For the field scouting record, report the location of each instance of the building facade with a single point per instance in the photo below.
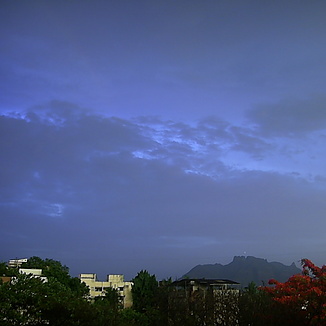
(16, 262)
(34, 272)
(194, 284)
(116, 281)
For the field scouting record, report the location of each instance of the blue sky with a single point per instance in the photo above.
(160, 135)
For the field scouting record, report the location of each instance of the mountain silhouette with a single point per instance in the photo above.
(245, 270)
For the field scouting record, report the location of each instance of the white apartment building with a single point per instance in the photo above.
(34, 272)
(17, 262)
(116, 281)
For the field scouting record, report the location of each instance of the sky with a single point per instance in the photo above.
(160, 135)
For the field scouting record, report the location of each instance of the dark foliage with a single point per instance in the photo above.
(27, 300)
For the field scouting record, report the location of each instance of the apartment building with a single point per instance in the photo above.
(194, 284)
(16, 262)
(115, 281)
(34, 272)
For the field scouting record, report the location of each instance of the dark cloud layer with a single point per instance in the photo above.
(161, 134)
(147, 193)
(291, 117)
(129, 58)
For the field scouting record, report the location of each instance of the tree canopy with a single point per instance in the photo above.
(6, 271)
(302, 297)
(61, 300)
(144, 291)
(54, 269)
(28, 300)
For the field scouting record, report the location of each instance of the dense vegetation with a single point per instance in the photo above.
(63, 300)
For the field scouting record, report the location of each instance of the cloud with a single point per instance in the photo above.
(245, 140)
(290, 118)
(122, 191)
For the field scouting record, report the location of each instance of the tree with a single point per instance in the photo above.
(226, 307)
(7, 271)
(302, 299)
(53, 269)
(50, 268)
(113, 298)
(144, 295)
(108, 307)
(131, 317)
(144, 291)
(28, 300)
(255, 307)
(20, 301)
(203, 306)
(163, 293)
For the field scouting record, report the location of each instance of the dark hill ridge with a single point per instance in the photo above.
(245, 270)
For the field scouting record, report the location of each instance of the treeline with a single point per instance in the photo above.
(64, 300)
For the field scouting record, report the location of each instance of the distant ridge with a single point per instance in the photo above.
(245, 270)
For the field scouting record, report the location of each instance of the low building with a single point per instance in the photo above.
(98, 288)
(213, 301)
(34, 272)
(16, 263)
(194, 284)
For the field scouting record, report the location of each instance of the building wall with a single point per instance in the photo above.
(34, 272)
(17, 262)
(116, 281)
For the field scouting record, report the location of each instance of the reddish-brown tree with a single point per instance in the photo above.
(303, 297)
